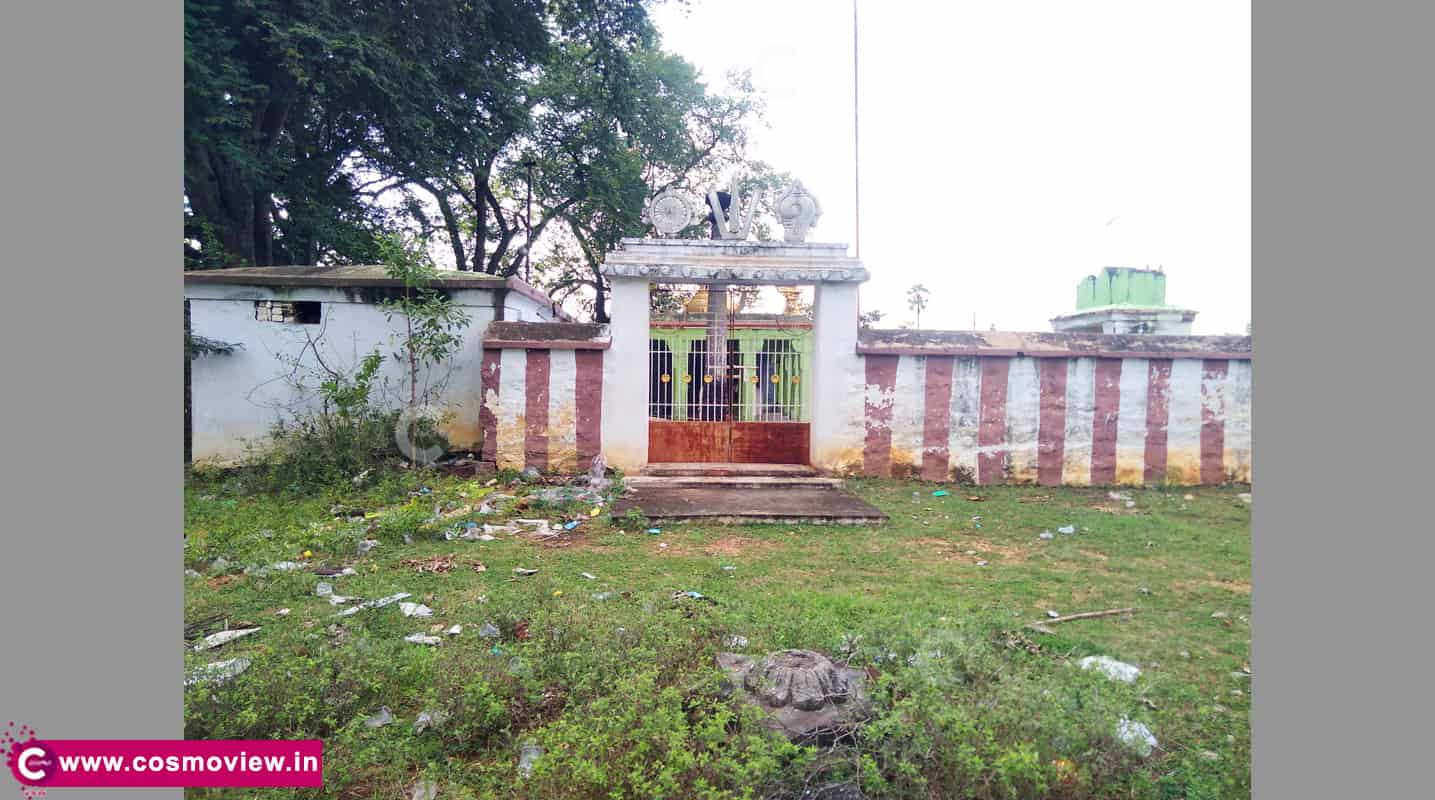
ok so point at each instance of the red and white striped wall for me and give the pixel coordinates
(542, 407)
(1056, 420)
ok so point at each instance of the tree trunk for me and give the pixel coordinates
(219, 197)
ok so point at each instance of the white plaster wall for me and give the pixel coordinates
(1183, 429)
(1023, 418)
(511, 409)
(237, 398)
(838, 414)
(1080, 418)
(562, 411)
(908, 414)
(1131, 421)
(625, 376)
(1237, 454)
(966, 410)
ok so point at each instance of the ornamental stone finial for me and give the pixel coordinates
(798, 211)
(731, 216)
(669, 212)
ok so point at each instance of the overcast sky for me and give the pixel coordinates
(1007, 148)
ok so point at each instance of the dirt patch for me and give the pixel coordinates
(1237, 587)
(1093, 554)
(737, 546)
(957, 548)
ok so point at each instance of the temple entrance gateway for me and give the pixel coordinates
(713, 385)
(728, 387)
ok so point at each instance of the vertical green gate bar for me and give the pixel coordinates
(788, 353)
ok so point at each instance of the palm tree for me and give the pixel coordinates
(917, 300)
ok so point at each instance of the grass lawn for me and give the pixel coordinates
(621, 694)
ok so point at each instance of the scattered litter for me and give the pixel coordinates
(415, 610)
(324, 589)
(1245, 497)
(1137, 736)
(1144, 589)
(662, 545)
(590, 576)
(595, 511)
(1115, 670)
(219, 564)
(435, 565)
(380, 603)
(558, 593)
(736, 642)
(940, 493)
(570, 525)
(521, 630)
(216, 673)
(1130, 503)
(283, 612)
(524, 571)
(528, 756)
(334, 572)
(339, 600)
(367, 545)
(189, 573)
(454, 630)
(974, 498)
(981, 563)
(531, 475)
(1210, 755)
(602, 595)
(655, 531)
(1219, 615)
(429, 719)
(423, 638)
(1119, 495)
(1045, 535)
(489, 631)
(478, 566)
(223, 637)
(380, 719)
(424, 790)
(728, 569)
(690, 594)
(1067, 529)
(1053, 614)
(282, 566)
(1189, 497)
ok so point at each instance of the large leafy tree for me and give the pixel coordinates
(313, 128)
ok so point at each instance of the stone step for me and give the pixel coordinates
(731, 505)
(733, 481)
(718, 469)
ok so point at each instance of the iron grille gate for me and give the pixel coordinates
(732, 392)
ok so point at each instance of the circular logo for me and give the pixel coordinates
(416, 434)
(34, 763)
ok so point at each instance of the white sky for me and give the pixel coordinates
(999, 139)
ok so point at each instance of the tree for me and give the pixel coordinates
(433, 326)
(869, 319)
(300, 114)
(917, 300)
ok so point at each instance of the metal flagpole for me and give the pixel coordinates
(856, 170)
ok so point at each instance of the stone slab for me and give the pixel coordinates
(740, 505)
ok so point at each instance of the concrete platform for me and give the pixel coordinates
(721, 469)
(745, 505)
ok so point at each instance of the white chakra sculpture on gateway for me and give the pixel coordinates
(797, 210)
(669, 212)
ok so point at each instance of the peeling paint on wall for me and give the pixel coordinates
(1080, 413)
(1023, 417)
(562, 412)
(1070, 421)
(1183, 423)
(1131, 422)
